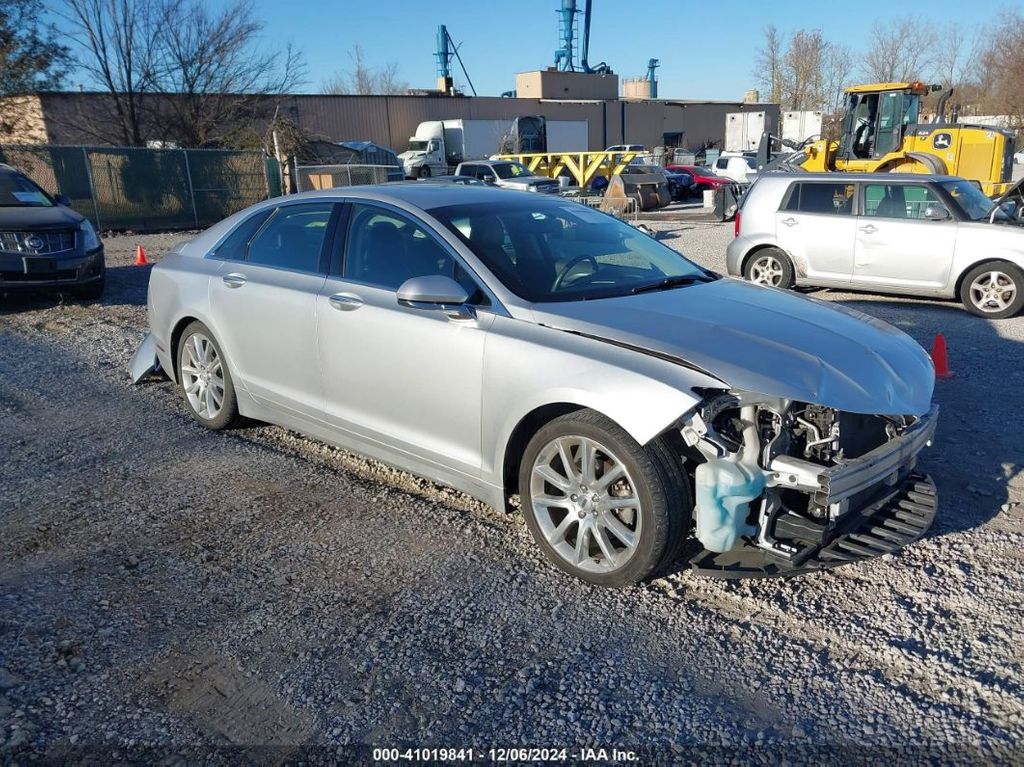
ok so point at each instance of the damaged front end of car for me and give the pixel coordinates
(783, 486)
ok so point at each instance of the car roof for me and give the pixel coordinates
(421, 194)
(853, 177)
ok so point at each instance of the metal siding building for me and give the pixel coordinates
(84, 118)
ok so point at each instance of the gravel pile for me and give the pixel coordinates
(163, 586)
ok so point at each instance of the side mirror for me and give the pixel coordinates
(431, 291)
(62, 199)
(935, 212)
(488, 179)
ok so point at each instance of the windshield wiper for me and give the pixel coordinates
(672, 282)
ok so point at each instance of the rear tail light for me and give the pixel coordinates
(736, 225)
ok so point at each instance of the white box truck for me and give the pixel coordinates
(440, 145)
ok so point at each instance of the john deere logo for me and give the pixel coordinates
(34, 242)
(942, 141)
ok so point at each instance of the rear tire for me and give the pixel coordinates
(770, 266)
(630, 504)
(994, 290)
(205, 380)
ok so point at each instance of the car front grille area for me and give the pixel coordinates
(37, 243)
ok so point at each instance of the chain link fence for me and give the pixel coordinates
(308, 177)
(147, 189)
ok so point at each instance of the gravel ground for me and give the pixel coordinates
(169, 588)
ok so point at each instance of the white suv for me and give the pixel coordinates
(908, 234)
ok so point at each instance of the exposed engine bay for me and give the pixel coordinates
(785, 476)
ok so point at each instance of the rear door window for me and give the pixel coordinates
(293, 238)
(235, 246)
(821, 198)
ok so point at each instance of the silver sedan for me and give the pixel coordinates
(543, 356)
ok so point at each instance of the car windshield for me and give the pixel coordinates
(557, 250)
(511, 170)
(17, 191)
(973, 201)
(704, 172)
(417, 146)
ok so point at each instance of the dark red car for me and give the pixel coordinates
(703, 177)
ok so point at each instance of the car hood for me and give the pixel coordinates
(28, 217)
(766, 341)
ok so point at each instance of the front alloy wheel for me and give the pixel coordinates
(204, 378)
(994, 290)
(599, 505)
(585, 504)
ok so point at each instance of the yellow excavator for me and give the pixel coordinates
(881, 132)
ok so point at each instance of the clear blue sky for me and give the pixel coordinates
(704, 54)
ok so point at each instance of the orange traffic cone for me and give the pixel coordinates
(939, 358)
(140, 257)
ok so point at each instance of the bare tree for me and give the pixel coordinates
(178, 70)
(837, 73)
(115, 37)
(1002, 69)
(803, 65)
(768, 69)
(215, 77)
(901, 50)
(365, 80)
(31, 58)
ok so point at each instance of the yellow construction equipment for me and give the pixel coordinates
(881, 133)
(582, 167)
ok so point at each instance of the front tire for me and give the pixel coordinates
(771, 267)
(599, 505)
(994, 290)
(205, 380)
(424, 171)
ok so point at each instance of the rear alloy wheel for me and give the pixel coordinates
(770, 267)
(205, 381)
(993, 290)
(600, 506)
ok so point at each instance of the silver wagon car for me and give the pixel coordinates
(891, 233)
(512, 344)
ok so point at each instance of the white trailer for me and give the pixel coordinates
(800, 126)
(743, 130)
(567, 135)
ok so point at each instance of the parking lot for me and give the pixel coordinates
(162, 585)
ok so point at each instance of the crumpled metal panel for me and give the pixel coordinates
(767, 341)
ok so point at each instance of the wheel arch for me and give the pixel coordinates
(521, 435)
(981, 262)
(176, 332)
(765, 246)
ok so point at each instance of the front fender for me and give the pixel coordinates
(529, 366)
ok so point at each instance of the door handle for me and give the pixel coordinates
(869, 229)
(234, 280)
(345, 302)
(790, 221)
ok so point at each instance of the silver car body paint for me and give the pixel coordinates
(442, 397)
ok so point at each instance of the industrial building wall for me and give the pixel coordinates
(84, 118)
